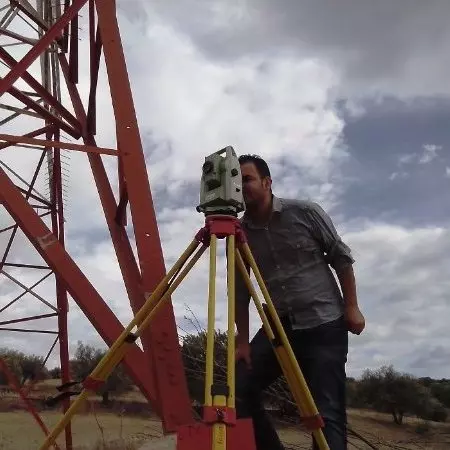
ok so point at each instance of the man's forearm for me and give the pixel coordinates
(347, 281)
(242, 323)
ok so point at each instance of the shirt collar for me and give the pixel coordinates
(277, 207)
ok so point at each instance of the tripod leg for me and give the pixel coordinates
(115, 359)
(231, 253)
(173, 285)
(280, 352)
(104, 372)
(314, 418)
(116, 352)
(213, 396)
(209, 370)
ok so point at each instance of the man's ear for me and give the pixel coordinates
(267, 182)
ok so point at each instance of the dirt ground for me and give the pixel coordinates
(19, 431)
(94, 427)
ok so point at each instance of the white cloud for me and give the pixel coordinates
(192, 106)
(402, 286)
(429, 153)
(401, 279)
(275, 104)
(397, 175)
(407, 158)
(397, 62)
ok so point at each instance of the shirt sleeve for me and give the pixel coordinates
(337, 253)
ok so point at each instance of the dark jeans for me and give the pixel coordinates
(322, 354)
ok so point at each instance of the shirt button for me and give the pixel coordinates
(283, 287)
(278, 266)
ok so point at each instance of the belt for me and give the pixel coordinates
(285, 319)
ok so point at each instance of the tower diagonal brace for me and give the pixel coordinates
(160, 340)
(78, 286)
(158, 369)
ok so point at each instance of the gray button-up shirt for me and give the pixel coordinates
(294, 252)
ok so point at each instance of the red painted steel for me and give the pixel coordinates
(31, 134)
(39, 48)
(158, 369)
(35, 19)
(27, 194)
(43, 112)
(33, 83)
(168, 366)
(61, 293)
(26, 319)
(95, 51)
(57, 144)
(75, 281)
(122, 246)
(14, 383)
(200, 436)
(17, 36)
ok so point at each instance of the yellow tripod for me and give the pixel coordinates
(220, 429)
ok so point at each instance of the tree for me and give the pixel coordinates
(280, 397)
(84, 362)
(55, 373)
(194, 358)
(426, 381)
(354, 397)
(434, 410)
(441, 390)
(193, 352)
(33, 368)
(24, 367)
(12, 360)
(395, 393)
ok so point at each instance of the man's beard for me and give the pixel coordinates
(251, 205)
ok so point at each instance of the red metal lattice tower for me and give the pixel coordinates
(39, 55)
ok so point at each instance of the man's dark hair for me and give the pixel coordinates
(261, 165)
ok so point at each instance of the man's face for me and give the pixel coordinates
(254, 188)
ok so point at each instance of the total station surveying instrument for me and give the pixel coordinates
(221, 201)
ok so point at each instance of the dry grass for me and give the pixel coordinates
(18, 430)
(106, 430)
(114, 445)
(380, 430)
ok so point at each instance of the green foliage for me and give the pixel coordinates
(441, 390)
(434, 410)
(24, 367)
(279, 397)
(383, 390)
(55, 373)
(355, 397)
(84, 362)
(193, 352)
(388, 391)
(398, 394)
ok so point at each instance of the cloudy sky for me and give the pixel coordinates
(349, 103)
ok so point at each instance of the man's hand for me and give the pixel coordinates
(355, 320)
(353, 316)
(243, 352)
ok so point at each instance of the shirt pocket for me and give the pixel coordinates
(305, 244)
(300, 250)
